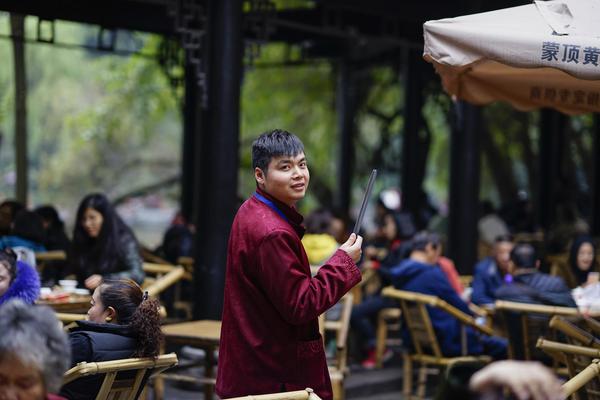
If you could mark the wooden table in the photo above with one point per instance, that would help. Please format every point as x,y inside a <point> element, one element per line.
<point>204,334</point>
<point>75,303</point>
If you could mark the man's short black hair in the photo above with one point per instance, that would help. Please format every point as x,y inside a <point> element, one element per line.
<point>274,143</point>
<point>524,256</point>
<point>505,237</point>
<point>422,239</point>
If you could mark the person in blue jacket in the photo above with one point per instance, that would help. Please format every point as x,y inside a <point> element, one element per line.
<point>18,280</point>
<point>491,272</point>
<point>419,274</point>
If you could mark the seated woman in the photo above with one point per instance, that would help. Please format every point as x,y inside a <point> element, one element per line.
<point>103,246</point>
<point>582,260</point>
<point>122,323</point>
<point>34,352</point>
<point>17,279</point>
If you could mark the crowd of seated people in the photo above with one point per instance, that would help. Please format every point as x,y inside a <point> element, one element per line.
<point>122,322</point>
<point>420,273</point>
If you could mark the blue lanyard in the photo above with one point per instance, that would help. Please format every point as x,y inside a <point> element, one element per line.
<point>271,205</point>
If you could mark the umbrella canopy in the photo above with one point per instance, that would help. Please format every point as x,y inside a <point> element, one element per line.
<point>544,54</point>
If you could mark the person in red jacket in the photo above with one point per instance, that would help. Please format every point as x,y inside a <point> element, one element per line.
<point>270,339</point>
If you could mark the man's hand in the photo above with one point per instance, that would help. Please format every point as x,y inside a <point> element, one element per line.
<point>352,247</point>
<point>93,281</point>
<point>525,380</point>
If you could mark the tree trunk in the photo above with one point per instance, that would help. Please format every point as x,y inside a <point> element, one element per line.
<point>499,166</point>
<point>17,26</point>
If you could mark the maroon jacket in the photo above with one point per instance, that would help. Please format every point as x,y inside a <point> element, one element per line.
<point>270,338</point>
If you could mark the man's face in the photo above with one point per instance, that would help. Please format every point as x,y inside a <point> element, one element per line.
<point>502,255</point>
<point>432,253</point>
<point>286,179</point>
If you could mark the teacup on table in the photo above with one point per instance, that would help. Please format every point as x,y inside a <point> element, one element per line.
<point>68,285</point>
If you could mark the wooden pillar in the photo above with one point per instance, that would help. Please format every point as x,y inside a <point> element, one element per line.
<point>464,186</point>
<point>595,220</point>
<point>17,26</point>
<point>413,172</point>
<point>216,177</point>
<point>346,110</point>
<point>552,124</point>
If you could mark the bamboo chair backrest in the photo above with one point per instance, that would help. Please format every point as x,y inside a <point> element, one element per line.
<point>306,394</point>
<point>339,324</point>
<point>166,276</point>
<point>525,323</point>
<point>573,333</point>
<point>414,312</point>
<point>118,385</point>
<point>577,359</point>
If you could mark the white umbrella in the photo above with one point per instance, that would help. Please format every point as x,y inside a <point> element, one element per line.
<point>544,54</point>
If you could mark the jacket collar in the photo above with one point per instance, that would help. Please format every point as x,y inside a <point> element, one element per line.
<point>123,330</point>
<point>294,217</point>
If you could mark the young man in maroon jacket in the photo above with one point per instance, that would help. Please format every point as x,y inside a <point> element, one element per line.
<point>270,338</point>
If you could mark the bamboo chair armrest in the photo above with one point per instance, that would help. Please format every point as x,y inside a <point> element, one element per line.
<point>165,281</point>
<point>575,383</point>
<point>551,346</point>
<point>92,368</point>
<point>306,394</point>
<point>536,308</point>
<point>54,255</point>
<point>465,318</point>
<point>574,332</point>
<point>157,269</point>
<point>436,302</point>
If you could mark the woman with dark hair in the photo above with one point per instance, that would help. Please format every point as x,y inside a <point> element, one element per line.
<point>582,260</point>
<point>122,323</point>
<point>17,279</point>
<point>103,246</point>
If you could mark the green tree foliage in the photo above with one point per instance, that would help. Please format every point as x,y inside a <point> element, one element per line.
<point>97,122</point>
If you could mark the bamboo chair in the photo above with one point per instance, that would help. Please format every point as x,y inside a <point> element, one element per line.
<point>118,385</point>
<point>525,323</point>
<point>577,359</point>
<point>306,394</point>
<point>338,365</point>
<point>427,350</point>
<point>161,277</point>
